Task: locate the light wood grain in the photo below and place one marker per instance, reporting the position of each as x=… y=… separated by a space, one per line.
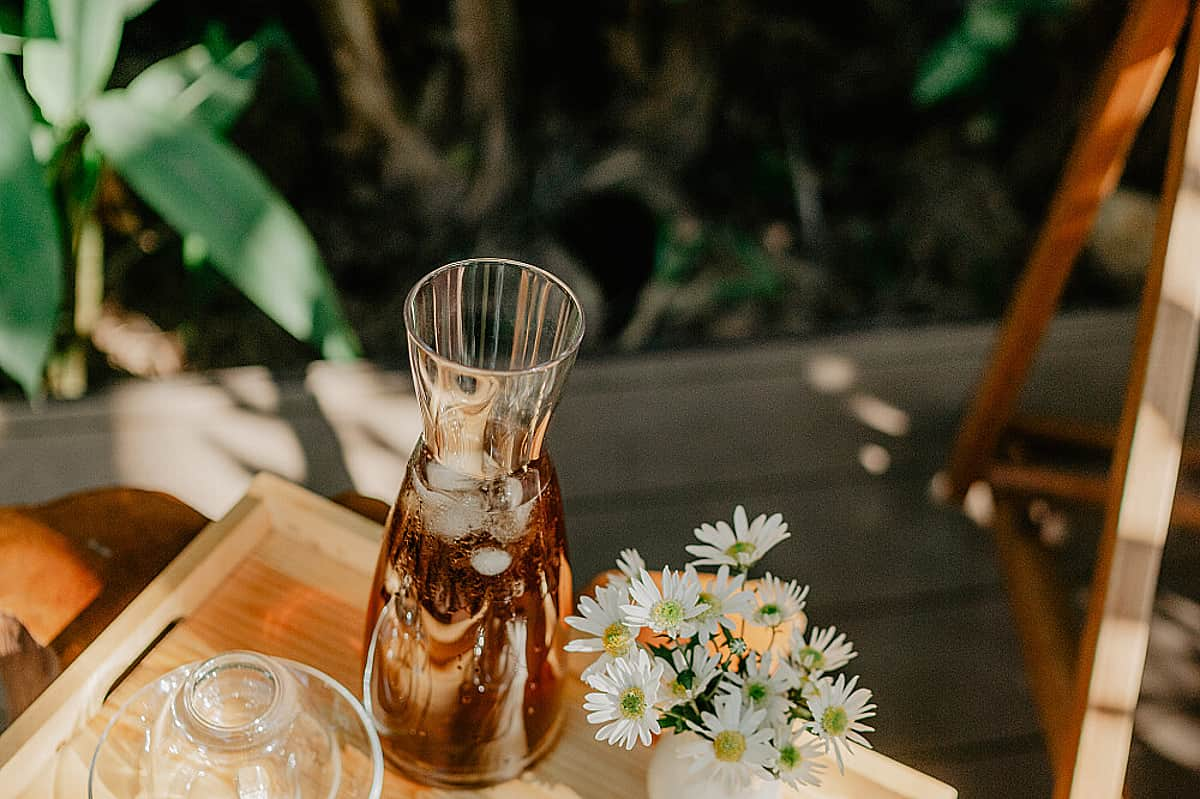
x=72 y=698
x=1144 y=472
x=1123 y=94
x=277 y=599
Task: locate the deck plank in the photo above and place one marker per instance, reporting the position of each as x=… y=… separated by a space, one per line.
x=649 y=446
x=897 y=543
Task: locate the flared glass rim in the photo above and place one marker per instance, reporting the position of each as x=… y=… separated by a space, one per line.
x=569 y=351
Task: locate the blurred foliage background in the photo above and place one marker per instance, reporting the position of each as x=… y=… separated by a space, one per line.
x=262 y=181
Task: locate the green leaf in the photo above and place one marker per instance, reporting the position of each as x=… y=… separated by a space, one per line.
x=678 y=246
x=992 y=25
x=39 y=22
x=87 y=179
x=962 y=58
x=203 y=187
x=195 y=252
x=759 y=279
x=11 y=23
x=48 y=77
x=45 y=143
x=955 y=64
x=31 y=266
x=133 y=8
x=71 y=53
x=302 y=80
x=192 y=84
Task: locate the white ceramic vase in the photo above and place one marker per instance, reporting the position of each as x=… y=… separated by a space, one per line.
x=670 y=777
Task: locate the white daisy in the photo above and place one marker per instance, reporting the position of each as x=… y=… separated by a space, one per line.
x=838 y=710
x=689 y=675
x=624 y=698
x=822 y=652
x=764 y=686
x=670 y=611
x=779 y=602
x=631 y=564
x=602 y=618
x=735 y=747
x=806 y=681
x=740 y=547
x=795 y=759
x=721 y=597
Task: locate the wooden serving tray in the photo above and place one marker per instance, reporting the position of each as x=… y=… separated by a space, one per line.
x=287 y=573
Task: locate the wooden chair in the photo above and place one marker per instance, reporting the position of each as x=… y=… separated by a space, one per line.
x=1089 y=740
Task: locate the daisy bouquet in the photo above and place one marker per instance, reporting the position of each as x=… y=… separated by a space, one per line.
x=733 y=662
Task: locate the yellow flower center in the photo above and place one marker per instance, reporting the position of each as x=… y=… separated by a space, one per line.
x=729 y=746
x=616 y=639
x=667 y=614
x=811 y=656
x=834 y=720
x=769 y=615
x=678 y=690
x=789 y=757
x=633 y=703
x=713 y=608
x=739 y=549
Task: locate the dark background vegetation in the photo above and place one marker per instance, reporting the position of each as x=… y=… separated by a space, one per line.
x=701 y=171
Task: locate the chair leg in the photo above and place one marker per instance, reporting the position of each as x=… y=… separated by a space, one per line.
x=1124 y=93
x=1041 y=611
x=1143 y=475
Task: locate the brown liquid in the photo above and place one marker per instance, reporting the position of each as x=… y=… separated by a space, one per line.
x=466 y=674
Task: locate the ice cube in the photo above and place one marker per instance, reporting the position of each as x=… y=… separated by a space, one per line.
x=447 y=480
x=509 y=526
x=490 y=561
x=451 y=518
x=451 y=505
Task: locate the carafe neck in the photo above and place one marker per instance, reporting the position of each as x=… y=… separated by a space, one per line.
x=483 y=424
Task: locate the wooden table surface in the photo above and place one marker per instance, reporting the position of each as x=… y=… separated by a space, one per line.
x=124 y=536
x=283 y=573
x=647 y=447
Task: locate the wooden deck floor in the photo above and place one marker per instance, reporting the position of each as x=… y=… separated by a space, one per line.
x=840 y=435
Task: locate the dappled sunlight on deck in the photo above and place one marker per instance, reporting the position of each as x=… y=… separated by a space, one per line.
x=376 y=420
x=842 y=436
x=203 y=440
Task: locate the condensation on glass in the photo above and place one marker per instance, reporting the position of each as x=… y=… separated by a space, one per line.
x=463 y=667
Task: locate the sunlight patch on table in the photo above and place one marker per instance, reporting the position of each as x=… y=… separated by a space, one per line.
x=252 y=386
x=878 y=414
x=831 y=374
x=874 y=458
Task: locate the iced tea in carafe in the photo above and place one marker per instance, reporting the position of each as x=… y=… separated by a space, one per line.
x=463 y=663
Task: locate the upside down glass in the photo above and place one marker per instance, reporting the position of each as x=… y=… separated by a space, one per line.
x=462 y=671
x=240 y=725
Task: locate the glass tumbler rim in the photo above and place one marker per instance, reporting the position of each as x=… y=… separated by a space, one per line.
x=569 y=351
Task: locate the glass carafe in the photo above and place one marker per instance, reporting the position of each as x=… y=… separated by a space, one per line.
x=463 y=668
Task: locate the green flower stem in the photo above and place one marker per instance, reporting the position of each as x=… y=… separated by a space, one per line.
x=89 y=275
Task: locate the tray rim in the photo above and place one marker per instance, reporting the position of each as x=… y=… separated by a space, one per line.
x=78 y=693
